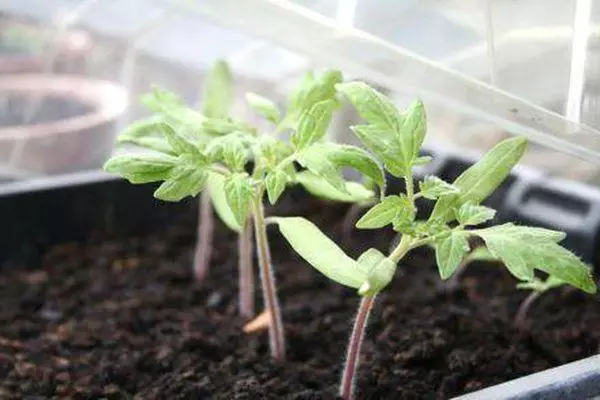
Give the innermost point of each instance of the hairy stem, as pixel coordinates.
(245, 275)
(521, 316)
(205, 235)
(353, 354)
(276, 337)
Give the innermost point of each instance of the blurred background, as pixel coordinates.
(72, 71)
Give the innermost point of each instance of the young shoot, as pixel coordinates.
(537, 287)
(395, 139)
(190, 151)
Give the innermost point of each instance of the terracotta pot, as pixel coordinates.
(71, 122)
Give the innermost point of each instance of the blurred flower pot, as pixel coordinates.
(56, 124)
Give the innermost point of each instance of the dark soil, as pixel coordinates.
(124, 319)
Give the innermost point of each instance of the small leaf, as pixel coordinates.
(372, 105)
(142, 128)
(411, 134)
(264, 107)
(482, 178)
(183, 181)
(316, 161)
(313, 124)
(238, 192)
(230, 150)
(389, 209)
(141, 168)
(380, 271)
(319, 187)
(383, 144)
(523, 249)
(354, 157)
(216, 189)
(450, 251)
(473, 214)
(424, 160)
(150, 142)
(161, 101)
(433, 187)
(179, 143)
(320, 251)
(275, 181)
(217, 93)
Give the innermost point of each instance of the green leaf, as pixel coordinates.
(450, 251)
(179, 143)
(141, 168)
(541, 286)
(161, 101)
(275, 181)
(217, 93)
(150, 142)
(523, 249)
(231, 150)
(319, 187)
(315, 159)
(482, 178)
(354, 157)
(238, 192)
(411, 134)
(480, 253)
(320, 251)
(383, 144)
(142, 128)
(264, 107)
(391, 208)
(380, 271)
(433, 187)
(183, 181)
(424, 160)
(472, 214)
(216, 188)
(313, 124)
(372, 105)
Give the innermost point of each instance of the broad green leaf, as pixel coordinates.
(391, 208)
(354, 157)
(238, 192)
(523, 249)
(482, 178)
(216, 188)
(433, 187)
(179, 143)
(472, 214)
(411, 134)
(380, 271)
(315, 159)
(313, 124)
(372, 105)
(450, 250)
(142, 128)
(150, 142)
(383, 144)
(319, 187)
(275, 181)
(320, 251)
(183, 181)
(142, 168)
(217, 93)
(264, 107)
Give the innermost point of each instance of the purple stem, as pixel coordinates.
(276, 335)
(205, 235)
(245, 275)
(353, 355)
(520, 318)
